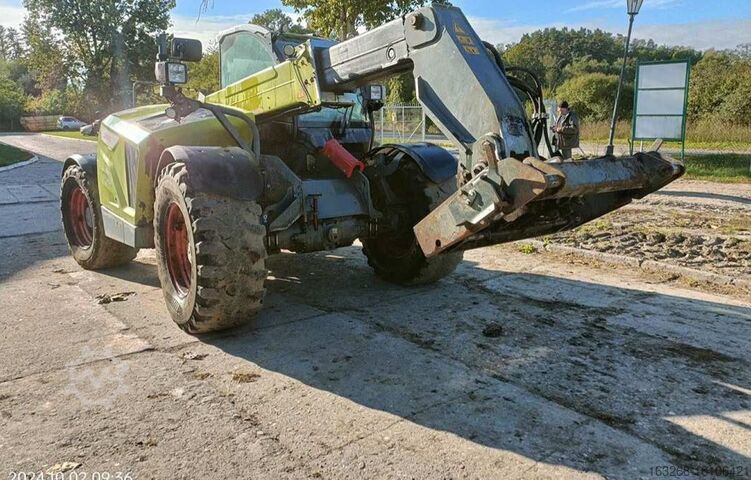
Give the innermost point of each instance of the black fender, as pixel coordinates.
(438, 164)
(87, 163)
(224, 171)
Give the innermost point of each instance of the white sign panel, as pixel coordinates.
(665, 127)
(660, 104)
(662, 75)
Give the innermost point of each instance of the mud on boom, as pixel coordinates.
(282, 158)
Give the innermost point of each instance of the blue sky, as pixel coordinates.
(700, 24)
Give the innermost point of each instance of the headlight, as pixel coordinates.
(171, 73)
(177, 73)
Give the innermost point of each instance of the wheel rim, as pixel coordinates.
(80, 218)
(178, 260)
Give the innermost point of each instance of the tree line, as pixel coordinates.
(582, 67)
(578, 65)
(81, 58)
(78, 57)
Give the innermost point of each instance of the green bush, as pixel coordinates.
(592, 96)
(721, 89)
(12, 100)
(57, 102)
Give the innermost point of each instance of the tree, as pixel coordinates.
(743, 50)
(277, 21)
(13, 44)
(204, 75)
(47, 64)
(12, 101)
(109, 41)
(720, 88)
(341, 18)
(557, 55)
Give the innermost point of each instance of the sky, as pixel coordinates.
(699, 24)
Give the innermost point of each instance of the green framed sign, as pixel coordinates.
(661, 101)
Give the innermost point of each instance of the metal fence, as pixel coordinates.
(402, 124)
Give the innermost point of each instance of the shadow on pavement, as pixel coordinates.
(602, 387)
(715, 196)
(575, 373)
(22, 252)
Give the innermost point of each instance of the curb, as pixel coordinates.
(93, 139)
(717, 279)
(33, 159)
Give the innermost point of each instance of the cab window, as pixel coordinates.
(243, 54)
(332, 117)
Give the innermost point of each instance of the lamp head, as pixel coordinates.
(633, 6)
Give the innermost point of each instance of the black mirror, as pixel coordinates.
(186, 49)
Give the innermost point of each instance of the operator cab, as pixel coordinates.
(247, 50)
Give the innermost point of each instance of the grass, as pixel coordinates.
(708, 135)
(729, 168)
(594, 227)
(71, 134)
(527, 248)
(10, 155)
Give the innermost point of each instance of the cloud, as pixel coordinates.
(11, 15)
(502, 32)
(602, 4)
(207, 27)
(717, 34)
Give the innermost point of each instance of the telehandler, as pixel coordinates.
(282, 158)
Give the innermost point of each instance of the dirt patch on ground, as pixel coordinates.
(695, 236)
(726, 255)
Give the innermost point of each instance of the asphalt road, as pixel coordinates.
(517, 366)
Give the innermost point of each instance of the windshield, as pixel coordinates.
(353, 115)
(243, 54)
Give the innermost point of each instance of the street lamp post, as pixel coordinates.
(633, 10)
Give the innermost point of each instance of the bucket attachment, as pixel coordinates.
(512, 200)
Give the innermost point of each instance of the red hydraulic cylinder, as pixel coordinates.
(339, 156)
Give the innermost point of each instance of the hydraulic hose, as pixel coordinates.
(534, 93)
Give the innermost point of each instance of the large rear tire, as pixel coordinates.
(210, 254)
(82, 223)
(396, 256)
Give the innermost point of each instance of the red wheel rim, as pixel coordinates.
(80, 218)
(176, 246)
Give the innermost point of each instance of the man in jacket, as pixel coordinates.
(566, 130)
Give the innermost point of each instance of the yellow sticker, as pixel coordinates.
(465, 40)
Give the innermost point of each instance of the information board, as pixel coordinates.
(660, 100)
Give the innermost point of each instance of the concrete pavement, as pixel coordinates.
(586, 373)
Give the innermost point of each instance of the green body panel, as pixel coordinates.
(131, 142)
(286, 86)
(129, 146)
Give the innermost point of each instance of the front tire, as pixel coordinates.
(210, 254)
(83, 226)
(396, 256)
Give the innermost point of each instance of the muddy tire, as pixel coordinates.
(82, 223)
(397, 257)
(210, 254)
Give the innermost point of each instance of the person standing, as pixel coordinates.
(566, 130)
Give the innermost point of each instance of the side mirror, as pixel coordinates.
(169, 69)
(186, 49)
